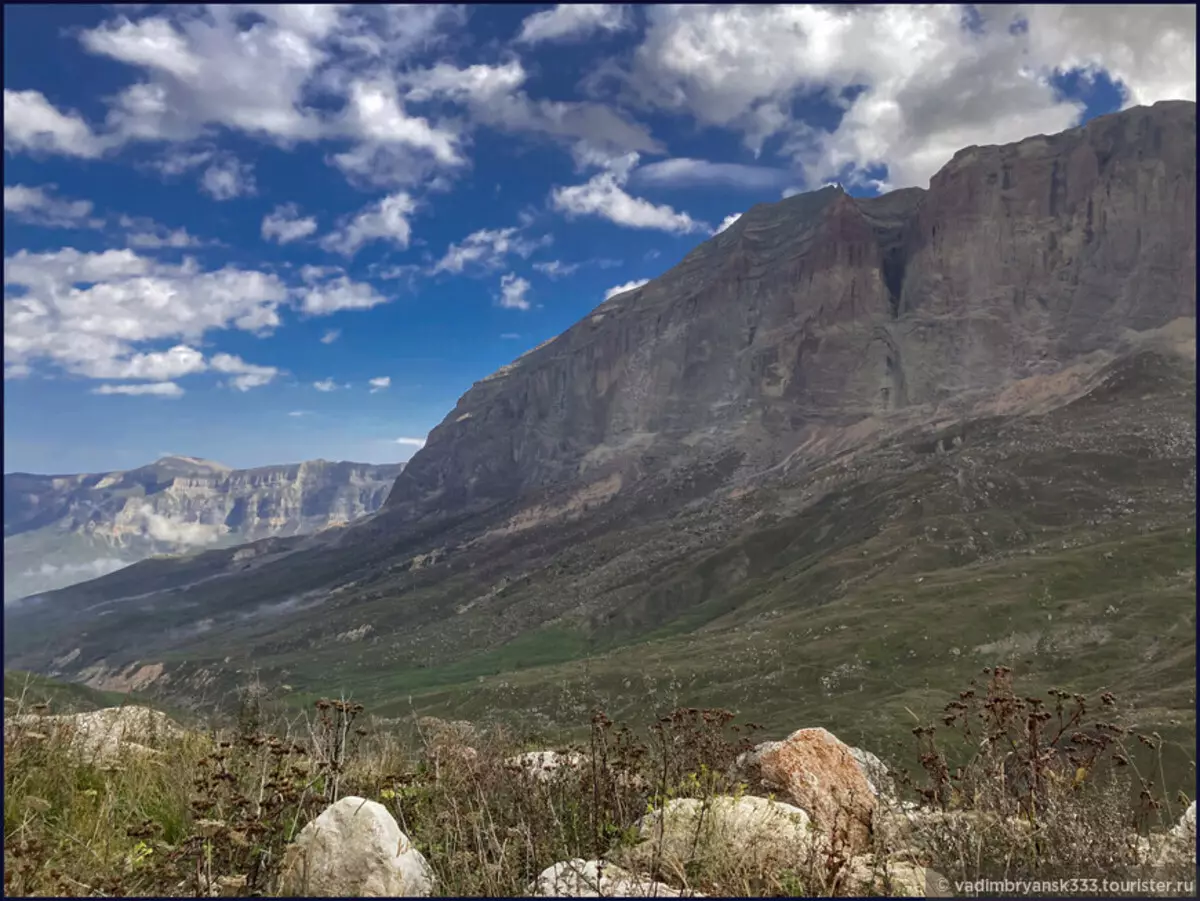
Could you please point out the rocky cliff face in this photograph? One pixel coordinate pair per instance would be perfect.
(63, 529)
(825, 309)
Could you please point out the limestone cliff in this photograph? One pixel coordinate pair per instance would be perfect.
(825, 309)
(64, 529)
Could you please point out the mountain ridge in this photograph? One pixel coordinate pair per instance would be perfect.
(58, 528)
(836, 412)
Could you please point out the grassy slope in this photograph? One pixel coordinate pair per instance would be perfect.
(1062, 544)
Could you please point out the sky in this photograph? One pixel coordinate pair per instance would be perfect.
(262, 234)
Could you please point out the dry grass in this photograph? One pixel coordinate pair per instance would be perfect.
(1012, 787)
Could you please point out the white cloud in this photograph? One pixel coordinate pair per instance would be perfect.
(37, 206)
(915, 83)
(628, 286)
(488, 248)
(726, 222)
(157, 389)
(494, 98)
(228, 178)
(683, 172)
(569, 21)
(298, 413)
(331, 335)
(88, 312)
(603, 195)
(245, 375)
(191, 534)
(381, 383)
(174, 363)
(556, 268)
(513, 289)
(144, 232)
(339, 294)
(32, 123)
(411, 442)
(386, 220)
(325, 385)
(1149, 49)
(393, 147)
(285, 224)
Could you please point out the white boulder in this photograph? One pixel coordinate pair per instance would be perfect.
(355, 849)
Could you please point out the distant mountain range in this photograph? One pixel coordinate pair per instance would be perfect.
(63, 529)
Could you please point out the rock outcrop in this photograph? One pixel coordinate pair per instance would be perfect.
(354, 849)
(100, 735)
(815, 771)
(59, 530)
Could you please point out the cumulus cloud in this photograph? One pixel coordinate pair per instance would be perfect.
(331, 335)
(604, 195)
(628, 286)
(683, 172)
(245, 375)
(285, 224)
(726, 222)
(325, 385)
(913, 84)
(39, 206)
(32, 123)
(152, 236)
(338, 294)
(493, 96)
(487, 249)
(576, 21)
(157, 389)
(386, 220)
(381, 383)
(88, 312)
(513, 289)
(228, 178)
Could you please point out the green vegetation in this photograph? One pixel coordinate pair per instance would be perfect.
(1010, 786)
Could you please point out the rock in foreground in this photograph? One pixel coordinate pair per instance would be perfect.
(721, 835)
(355, 849)
(599, 879)
(814, 770)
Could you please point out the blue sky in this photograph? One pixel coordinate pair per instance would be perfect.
(261, 234)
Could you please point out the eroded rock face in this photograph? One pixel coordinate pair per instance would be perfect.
(825, 309)
(599, 879)
(64, 529)
(815, 771)
(722, 835)
(354, 849)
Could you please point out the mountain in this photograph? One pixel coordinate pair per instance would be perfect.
(59, 530)
(844, 454)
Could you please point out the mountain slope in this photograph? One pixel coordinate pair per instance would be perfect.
(846, 452)
(59, 530)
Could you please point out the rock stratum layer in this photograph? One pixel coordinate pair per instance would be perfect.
(59, 530)
(845, 453)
